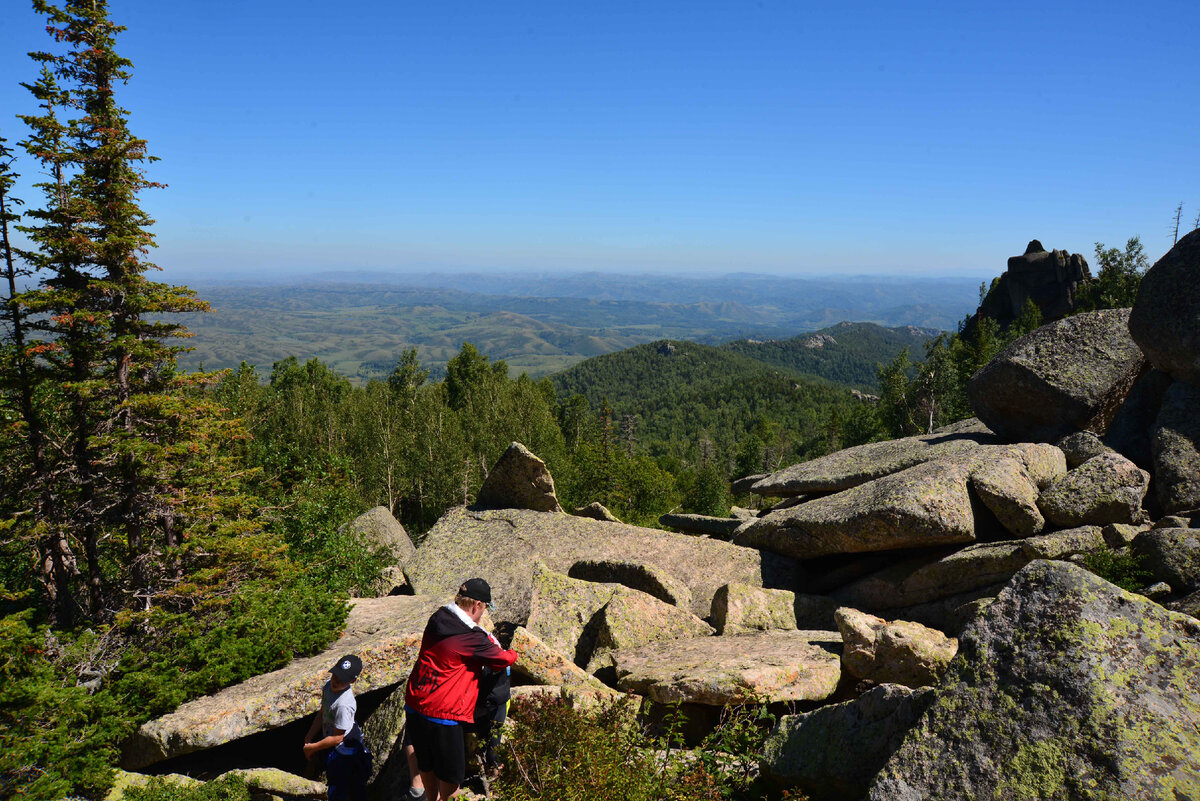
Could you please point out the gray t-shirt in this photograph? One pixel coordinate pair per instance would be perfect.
(337, 710)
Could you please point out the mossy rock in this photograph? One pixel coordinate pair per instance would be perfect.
(1067, 687)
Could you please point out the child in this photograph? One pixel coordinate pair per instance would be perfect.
(334, 725)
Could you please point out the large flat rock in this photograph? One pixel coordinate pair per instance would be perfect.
(503, 545)
(923, 580)
(1066, 687)
(923, 506)
(770, 666)
(384, 632)
(862, 463)
(1070, 375)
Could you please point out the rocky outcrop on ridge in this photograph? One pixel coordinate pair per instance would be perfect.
(384, 632)
(1066, 687)
(519, 480)
(1067, 376)
(768, 666)
(503, 546)
(1051, 279)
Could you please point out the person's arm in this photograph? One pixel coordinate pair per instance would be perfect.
(332, 741)
(487, 652)
(314, 729)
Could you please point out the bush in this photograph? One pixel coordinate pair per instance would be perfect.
(226, 788)
(555, 751)
(1127, 570)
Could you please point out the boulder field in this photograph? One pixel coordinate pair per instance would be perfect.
(921, 606)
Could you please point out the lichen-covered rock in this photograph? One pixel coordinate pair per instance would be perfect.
(542, 664)
(519, 480)
(814, 612)
(124, 781)
(769, 666)
(1175, 444)
(1081, 446)
(1005, 487)
(1067, 376)
(1188, 605)
(279, 782)
(1173, 556)
(740, 609)
(631, 619)
(862, 463)
(834, 752)
(382, 729)
(378, 528)
(899, 652)
(1061, 544)
(636, 576)
(1066, 687)
(705, 525)
(1129, 433)
(597, 511)
(1044, 463)
(1105, 489)
(503, 545)
(1165, 320)
(384, 632)
(586, 620)
(1118, 535)
(951, 614)
(931, 578)
(923, 506)
(562, 611)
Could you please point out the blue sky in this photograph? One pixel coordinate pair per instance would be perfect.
(785, 137)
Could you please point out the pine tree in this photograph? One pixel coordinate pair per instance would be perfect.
(96, 320)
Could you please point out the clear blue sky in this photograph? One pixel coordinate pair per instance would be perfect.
(894, 137)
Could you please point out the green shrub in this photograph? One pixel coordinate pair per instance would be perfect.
(555, 751)
(55, 738)
(1127, 570)
(226, 788)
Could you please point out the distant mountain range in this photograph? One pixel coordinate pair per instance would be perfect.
(542, 324)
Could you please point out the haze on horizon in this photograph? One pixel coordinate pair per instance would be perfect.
(703, 138)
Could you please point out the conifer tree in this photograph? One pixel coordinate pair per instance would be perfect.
(96, 326)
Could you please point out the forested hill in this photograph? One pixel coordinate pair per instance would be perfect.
(675, 395)
(849, 353)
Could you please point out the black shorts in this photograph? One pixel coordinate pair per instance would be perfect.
(439, 748)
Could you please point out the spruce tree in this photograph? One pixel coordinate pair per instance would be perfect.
(97, 329)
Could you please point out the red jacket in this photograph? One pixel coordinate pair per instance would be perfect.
(444, 683)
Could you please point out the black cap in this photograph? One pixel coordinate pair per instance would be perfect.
(347, 668)
(477, 589)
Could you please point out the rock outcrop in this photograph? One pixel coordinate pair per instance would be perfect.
(385, 632)
(597, 511)
(741, 609)
(896, 652)
(503, 545)
(1173, 556)
(923, 506)
(1051, 279)
(833, 753)
(1165, 321)
(1066, 687)
(768, 666)
(860, 464)
(519, 480)
(721, 528)
(1105, 489)
(378, 528)
(1175, 444)
(1067, 376)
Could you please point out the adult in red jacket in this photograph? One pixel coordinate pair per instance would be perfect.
(444, 686)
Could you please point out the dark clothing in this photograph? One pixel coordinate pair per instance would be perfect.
(439, 748)
(490, 711)
(443, 682)
(348, 768)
